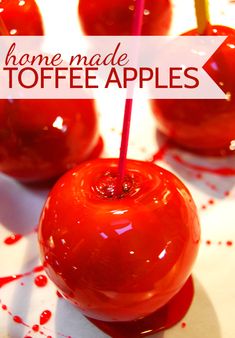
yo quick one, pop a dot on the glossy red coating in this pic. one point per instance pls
(21, 17)
(41, 139)
(204, 126)
(102, 17)
(119, 258)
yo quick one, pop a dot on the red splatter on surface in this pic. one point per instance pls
(40, 281)
(224, 171)
(38, 269)
(227, 243)
(199, 176)
(35, 328)
(18, 320)
(45, 317)
(183, 325)
(9, 279)
(14, 238)
(159, 155)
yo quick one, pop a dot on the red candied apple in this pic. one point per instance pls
(119, 257)
(20, 17)
(41, 139)
(205, 126)
(102, 17)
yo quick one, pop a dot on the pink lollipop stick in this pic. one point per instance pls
(136, 30)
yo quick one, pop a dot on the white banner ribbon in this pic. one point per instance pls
(160, 66)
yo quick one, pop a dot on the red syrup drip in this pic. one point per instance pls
(14, 238)
(199, 176)
(160, 154)
(40, 281)
(9, 279)
(45, 317)
(210, 203)
(229, 243)
(162, 319)
(35, 328)
(19, 320)
(183, 325)
(38, 269)
(217, 171)
(59, 294)
(223, 171)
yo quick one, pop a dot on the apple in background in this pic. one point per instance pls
(204, 126)
(119, 257)
(41, 139)
(21, 17)
(102, 17)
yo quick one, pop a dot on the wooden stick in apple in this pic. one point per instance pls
(136, 30)
(202, 14)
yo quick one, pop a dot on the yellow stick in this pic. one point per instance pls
(203, 17)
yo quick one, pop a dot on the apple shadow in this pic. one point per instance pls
(198, 170)
(201, 320)
(20, 205)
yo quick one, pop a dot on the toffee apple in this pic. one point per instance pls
(119, 255)
(41, 139)
(204, 126)
(20, 17)
(104, 17)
